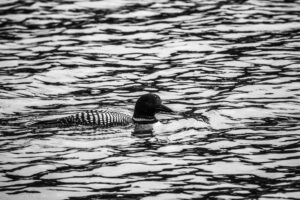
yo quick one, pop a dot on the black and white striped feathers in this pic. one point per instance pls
(99, 118)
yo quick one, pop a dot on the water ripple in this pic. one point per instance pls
(230, 68)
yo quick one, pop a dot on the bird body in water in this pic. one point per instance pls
(144, 113)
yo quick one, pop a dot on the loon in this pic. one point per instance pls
(144, 113)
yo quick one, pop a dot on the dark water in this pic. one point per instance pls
(235, 63)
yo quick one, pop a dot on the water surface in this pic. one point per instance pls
(229, 67)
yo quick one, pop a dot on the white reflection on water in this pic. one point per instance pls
(228, 68)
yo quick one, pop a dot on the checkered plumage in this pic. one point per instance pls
(98, 118)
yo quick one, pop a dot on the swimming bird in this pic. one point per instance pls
(144, 113)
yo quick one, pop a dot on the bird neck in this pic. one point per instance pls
(144, 119)
(143, 130)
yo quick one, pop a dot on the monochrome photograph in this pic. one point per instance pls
(149, 99)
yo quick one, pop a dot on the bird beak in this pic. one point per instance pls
(163, 108)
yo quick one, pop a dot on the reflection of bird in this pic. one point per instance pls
(144, 113)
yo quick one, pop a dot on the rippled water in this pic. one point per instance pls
(232, 62)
